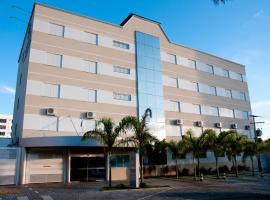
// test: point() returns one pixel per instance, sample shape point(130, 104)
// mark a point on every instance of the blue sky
point(238, 30)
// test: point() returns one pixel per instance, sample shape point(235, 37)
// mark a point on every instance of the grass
point(127, 187)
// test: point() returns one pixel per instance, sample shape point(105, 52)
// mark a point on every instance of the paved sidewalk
point(185, 188)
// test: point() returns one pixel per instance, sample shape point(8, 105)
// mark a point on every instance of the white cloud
point(7, 90)
point(259, 14)
point(262, 108)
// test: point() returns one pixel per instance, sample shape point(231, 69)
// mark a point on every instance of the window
point(236, 76)
point(56, 29)
point(119, 161)
point(244, 78)
point(191, 63)
point(20, 82)
point(238, 95)
point(204, 67)
point(169, 81)
point(209, 110)
point(224, 92)
point(121, 96)
point(221, 72)
point(91, 67)
point(240, 114)
point(92, 95)
point(187, 85)
point(190, 108)
point(122, 70)
point(174, 106)
point(2, 127)
point(2, 133)
point(120, 44)
point(3, 120)
point(172, 58)
point(52, 90)
point(224, 112)
point(54, 59)
point(18, 103)
point(207, 89)
point(91, 38)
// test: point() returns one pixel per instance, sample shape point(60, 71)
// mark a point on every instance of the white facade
point(5, 125)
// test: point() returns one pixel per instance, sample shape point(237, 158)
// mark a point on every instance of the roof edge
point(124, 22)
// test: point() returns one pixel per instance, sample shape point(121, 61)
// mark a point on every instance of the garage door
point(8, 159)
point(45, 167)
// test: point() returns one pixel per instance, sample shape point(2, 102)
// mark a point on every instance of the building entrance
point(87, 168)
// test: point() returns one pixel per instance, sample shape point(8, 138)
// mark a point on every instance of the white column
point(22, 166)
point(134, 169)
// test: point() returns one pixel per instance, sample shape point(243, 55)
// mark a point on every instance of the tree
point(177, 149)
point(106, 133)
point(250, 151)
point(157, 153)
point(234, 142)
point(195, 145)
point(140, 139)
point(214, 142)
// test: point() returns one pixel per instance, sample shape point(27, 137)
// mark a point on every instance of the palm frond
point(95, 134)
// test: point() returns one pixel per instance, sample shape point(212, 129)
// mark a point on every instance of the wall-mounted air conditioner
point(199, 123)
point(90, 115)
point(233, 126)
point(178, 122)
point(218, 125)
point(50, 111)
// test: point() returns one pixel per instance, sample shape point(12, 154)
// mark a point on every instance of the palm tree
point(195, 145)
point(157, 152)
point(177, 148)
point(140, 139)
point(106, 133)
point(234, 142)
point(250, 151)
point(215, 144)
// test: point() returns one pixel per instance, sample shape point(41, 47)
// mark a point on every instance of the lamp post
point(257, 133)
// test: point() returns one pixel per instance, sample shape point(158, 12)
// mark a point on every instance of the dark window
point(2, 133)
point(3, 120)
point(2, 127)
point(18, 103)
point(20, 79)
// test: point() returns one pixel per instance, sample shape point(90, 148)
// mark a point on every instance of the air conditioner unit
point(199, 123)
point(90, 115)
point(178, 122)
point(218, 125)
point(233, 126)
point(247, 127)
point(50, 111)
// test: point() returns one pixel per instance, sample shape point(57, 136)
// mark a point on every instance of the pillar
point(134, 169)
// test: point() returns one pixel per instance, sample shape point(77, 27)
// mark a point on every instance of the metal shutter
point(45, 167)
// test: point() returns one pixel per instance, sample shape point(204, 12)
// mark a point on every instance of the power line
point(18, 19)
point(21, 9)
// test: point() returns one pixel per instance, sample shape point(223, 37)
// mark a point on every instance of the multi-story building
point(74, 70)
point(5, 125)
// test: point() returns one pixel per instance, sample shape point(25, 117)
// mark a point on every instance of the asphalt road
point(185, 188)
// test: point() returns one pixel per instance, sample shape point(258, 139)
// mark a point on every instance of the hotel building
point(74, 70)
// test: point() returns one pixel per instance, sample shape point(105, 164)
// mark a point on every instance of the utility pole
point(256, 134)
